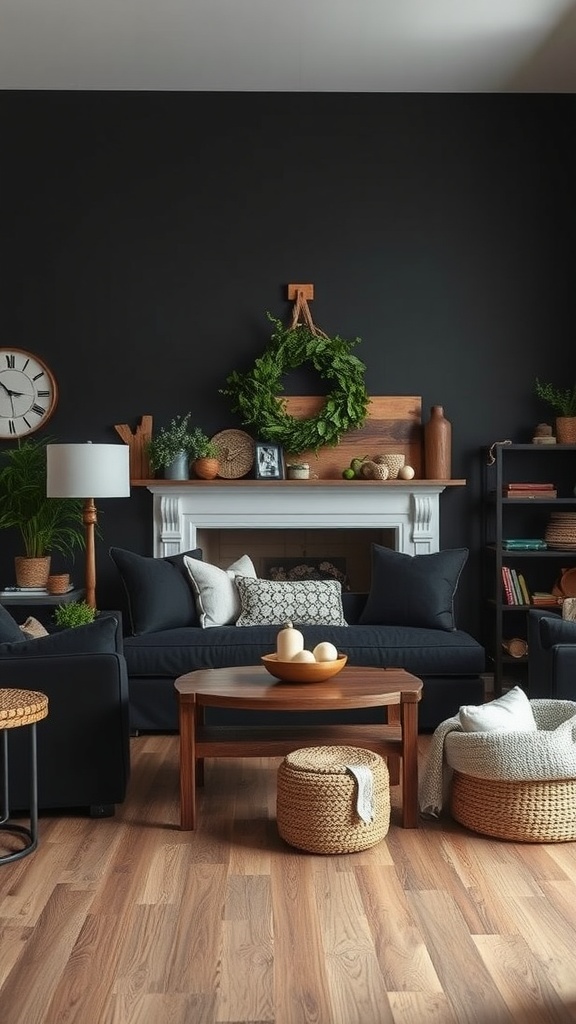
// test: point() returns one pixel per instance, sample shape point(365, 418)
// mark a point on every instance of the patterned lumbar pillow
point(304, 602)
point(512, 712)
point(215, 590)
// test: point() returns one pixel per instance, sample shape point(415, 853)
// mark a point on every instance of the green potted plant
point(76, 613)
point(45, 524)
point(562, 401)
point(204, 454)
point(171, 448)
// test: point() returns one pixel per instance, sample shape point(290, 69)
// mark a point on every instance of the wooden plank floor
point(130, 921)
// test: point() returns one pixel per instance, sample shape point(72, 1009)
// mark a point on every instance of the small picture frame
point(268, 461)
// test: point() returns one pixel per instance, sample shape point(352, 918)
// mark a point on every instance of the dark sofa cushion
point(556, 630)
point(413, 590)
point(421, 651)
point(98, 637)
point(158, 591)
point(9, 629)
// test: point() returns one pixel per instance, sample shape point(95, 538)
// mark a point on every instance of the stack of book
point(529, 490)
point(515, 587)
point(524, 544)
point(544, 599)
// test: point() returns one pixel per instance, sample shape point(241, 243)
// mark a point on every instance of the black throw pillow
point(98, 637)
point(9, 629)
point(556, 630)
point(413, 590)
point(158, 590)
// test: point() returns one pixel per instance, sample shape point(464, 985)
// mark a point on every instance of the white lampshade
point(87, 470)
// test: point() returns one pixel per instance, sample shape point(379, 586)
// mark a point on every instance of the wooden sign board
point(394, 424)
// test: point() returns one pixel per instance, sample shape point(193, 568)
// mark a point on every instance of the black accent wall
point(144, 236)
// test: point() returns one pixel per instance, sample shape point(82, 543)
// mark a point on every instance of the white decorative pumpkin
point(288, 642)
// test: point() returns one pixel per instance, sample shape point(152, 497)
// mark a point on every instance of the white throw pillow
point(272, 602)
point(512, 712)
point(215, 589)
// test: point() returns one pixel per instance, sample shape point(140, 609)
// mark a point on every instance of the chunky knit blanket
point(549, 753)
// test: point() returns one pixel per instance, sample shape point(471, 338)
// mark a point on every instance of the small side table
point(18, 708)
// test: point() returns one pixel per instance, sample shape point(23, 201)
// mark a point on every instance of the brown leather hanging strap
point(301, 315)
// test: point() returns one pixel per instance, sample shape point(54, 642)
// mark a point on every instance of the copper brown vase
point(206, 469)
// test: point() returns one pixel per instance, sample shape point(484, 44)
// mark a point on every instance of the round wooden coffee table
point(395, 691)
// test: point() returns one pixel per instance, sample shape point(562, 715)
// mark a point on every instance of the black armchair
point(551, 656)
point(84, 743)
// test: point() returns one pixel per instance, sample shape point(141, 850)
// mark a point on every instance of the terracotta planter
point(58, 584)
point(32, 572)
point(566, 429)
point(206, 469)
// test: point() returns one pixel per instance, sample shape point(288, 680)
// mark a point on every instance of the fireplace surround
point(185, 511)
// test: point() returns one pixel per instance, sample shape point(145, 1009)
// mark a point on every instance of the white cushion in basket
point(215, 591)
point(512, 712)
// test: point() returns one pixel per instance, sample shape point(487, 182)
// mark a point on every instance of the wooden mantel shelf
point(243, 481)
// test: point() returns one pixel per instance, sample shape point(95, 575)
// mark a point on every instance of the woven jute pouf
point(524, 812)
point(316, 805)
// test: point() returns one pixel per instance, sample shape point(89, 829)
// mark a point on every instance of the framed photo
point(268, 461)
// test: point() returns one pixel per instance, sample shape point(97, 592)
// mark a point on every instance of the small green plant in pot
point(204, 454)
point(45, 524)
point(172, 448)
point(563, 402)
point(76, 613)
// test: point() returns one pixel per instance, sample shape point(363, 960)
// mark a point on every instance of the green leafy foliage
point(45, 524)
point(201, 445)
point(256, 395)
point(170, 442)
point(562, 400)
point(76, 613)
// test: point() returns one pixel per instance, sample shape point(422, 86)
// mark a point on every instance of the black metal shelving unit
point(520, 517)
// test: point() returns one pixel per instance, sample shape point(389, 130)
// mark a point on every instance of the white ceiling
point(289, 45)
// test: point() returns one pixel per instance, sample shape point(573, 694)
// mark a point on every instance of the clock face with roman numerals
point(28, 393)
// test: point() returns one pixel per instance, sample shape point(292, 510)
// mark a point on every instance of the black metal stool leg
point(29, 833)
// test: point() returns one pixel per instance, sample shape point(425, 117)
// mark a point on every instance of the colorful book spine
point(507, 584)
point(524, 588)
point(516, 587)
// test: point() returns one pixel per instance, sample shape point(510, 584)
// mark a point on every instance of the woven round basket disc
point(523, 812)
point(235, 453)
point(21, 707)
point(317, 798)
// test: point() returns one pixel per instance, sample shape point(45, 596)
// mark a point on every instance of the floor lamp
point(76, 470)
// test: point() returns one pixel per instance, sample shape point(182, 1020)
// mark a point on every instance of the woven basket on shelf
point(317, 795)
point(524, 812)
point(32, 572)
point(394, 464)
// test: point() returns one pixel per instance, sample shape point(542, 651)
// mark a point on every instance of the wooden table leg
point(187, 724)
point(409, 724)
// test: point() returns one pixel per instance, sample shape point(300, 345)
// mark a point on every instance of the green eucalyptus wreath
point(255, 393)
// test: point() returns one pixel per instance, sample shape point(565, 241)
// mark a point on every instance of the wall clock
point(235, 453)
point(28, 393)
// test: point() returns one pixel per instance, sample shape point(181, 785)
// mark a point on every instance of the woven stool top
point(21, 707)
point(330, 760)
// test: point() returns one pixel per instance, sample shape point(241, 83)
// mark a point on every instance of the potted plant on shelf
point(204, 453)
point(76, 613)
point(45, 524)
point(171, 448)
point(563, 401)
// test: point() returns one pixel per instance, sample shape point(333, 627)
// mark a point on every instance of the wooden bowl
point(303, 671)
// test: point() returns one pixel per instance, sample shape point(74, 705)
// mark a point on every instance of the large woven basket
point(524, 812)
point(317, 797)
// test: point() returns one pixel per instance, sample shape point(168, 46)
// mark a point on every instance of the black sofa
point(551, 655)
point(84, 743)
point(163, 638)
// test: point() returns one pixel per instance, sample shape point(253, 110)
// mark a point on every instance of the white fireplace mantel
point(409, 508)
